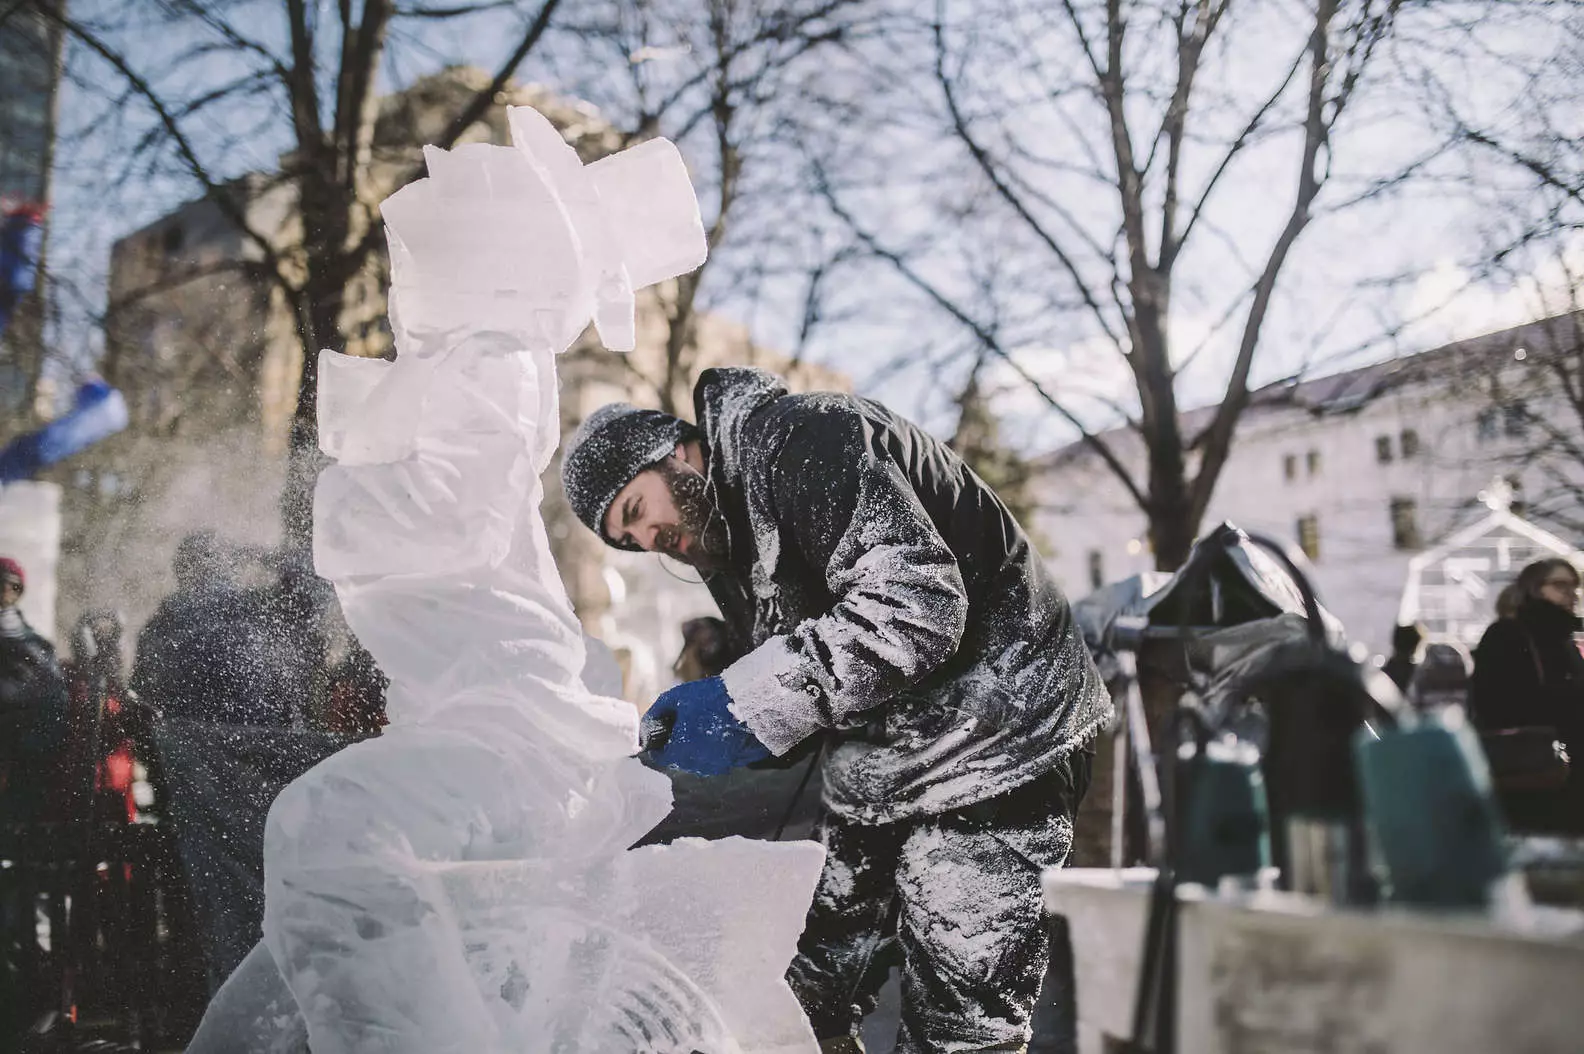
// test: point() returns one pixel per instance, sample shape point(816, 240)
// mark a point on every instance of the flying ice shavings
point(462, 883)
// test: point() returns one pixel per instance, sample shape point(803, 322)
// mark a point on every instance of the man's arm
point(900, 604)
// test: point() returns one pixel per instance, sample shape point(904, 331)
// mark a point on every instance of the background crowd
point(243, 659)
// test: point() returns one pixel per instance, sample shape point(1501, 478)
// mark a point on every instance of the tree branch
point(985, 337)
point(1003, 189)
point(143, 89)
point(1218, 438)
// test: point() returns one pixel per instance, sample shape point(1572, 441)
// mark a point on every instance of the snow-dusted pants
point(955, 899)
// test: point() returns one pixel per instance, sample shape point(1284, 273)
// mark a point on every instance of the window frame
point(1404, 518)
point(1307, 530)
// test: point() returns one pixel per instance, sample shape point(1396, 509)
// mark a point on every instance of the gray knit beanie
point(611, 446)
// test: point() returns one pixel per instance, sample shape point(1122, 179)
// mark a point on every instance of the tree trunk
point(1172, 524)
point(1172, 534)
point(319, 326)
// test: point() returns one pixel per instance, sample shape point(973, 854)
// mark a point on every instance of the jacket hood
point(724, 399)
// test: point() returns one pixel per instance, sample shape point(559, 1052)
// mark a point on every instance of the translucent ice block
point(462, 883)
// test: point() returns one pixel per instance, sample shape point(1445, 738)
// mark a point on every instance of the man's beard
point(698, 517)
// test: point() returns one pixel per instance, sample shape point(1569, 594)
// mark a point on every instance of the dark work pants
point(955, 900)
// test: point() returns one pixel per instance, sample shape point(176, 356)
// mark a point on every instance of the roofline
point(1392, 368)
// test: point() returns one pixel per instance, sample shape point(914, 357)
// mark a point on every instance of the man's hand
point(704, 738)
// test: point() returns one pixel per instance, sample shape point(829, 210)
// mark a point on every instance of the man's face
point(667, 509)
point(10, 591)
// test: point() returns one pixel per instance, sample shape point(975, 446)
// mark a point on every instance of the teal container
point(1431, 813)
point(1226, 821)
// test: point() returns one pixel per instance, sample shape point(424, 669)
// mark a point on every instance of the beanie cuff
point(608, 451)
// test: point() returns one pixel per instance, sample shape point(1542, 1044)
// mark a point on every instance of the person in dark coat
point(107, 720)
point(207, 652)
point(706, 650)
point(33, 704)
point(1528, 673)
point(1407, 639)
point(892, 609)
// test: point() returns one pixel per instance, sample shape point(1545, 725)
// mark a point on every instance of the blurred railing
point(97, 938)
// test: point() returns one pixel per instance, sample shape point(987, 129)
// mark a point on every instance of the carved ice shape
point(463, 883)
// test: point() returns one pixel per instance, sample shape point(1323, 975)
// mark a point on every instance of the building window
point(1096, 569)
point(1516, 419)
point(1383, 449)
point(1405, 523)
point(1309, 535)
point(1486, 424)
point(1410, 443)
point(1313, 459)
point(1290, 467)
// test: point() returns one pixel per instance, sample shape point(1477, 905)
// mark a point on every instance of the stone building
point(206, 350)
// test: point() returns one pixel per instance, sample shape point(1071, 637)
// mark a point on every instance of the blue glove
point(704, 738)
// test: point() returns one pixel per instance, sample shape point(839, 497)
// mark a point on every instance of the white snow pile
point(462, 883)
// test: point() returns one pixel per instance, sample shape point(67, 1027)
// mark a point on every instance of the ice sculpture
point(463, 882)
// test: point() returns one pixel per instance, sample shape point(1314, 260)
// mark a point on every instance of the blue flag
point(97, 412)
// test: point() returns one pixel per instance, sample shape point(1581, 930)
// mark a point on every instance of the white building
point(1363, 469)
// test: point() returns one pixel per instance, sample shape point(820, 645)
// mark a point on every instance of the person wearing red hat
point(12, 582)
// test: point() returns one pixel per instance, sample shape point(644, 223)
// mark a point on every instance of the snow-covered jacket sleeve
point(900, 606)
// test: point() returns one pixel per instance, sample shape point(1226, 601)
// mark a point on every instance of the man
point(896, 609)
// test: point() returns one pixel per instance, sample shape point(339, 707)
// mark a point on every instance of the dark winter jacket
point(889, 596)
point(209, 654)
point(33, 710)
point(1528, 672)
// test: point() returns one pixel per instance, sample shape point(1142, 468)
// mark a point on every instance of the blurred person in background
point(105, 720)
point(33, 704)
point(355, 704)
point(1528, 674)
point(32, 732)
point(1399, 666)
point(706, 650)
point(207, 653)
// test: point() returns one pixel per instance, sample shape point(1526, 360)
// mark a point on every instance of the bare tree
point(721, 78)
point(1086, 169)
point(1538, 400)
point(209, 76)
point(1520, 164)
